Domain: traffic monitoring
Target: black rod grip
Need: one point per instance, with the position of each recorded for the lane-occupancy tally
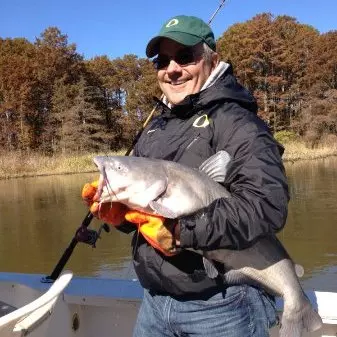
(67, 253)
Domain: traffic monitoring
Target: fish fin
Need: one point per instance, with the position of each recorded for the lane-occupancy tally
(216, 167)
(162, 210)
(299, 270)
(210, 269)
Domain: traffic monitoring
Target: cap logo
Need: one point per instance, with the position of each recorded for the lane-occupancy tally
(172, 22)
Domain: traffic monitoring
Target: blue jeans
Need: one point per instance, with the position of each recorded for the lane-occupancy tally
(240, 311)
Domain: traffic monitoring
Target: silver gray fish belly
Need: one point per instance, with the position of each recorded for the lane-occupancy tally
(173, 190)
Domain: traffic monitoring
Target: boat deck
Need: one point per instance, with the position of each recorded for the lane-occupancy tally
(108, 307)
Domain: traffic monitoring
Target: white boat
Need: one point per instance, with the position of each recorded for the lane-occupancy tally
(96, 307)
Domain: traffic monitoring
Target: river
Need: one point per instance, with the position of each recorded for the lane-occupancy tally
(40, 215)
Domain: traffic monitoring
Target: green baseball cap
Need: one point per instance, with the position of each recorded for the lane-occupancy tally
(187, 30)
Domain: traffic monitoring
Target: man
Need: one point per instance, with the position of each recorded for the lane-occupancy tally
(205, 111)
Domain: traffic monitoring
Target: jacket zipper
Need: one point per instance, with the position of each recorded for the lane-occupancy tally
(192, 142)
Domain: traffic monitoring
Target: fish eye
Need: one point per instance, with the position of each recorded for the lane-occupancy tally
(119, 167)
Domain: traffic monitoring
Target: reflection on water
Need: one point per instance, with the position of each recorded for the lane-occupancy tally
(39, 217)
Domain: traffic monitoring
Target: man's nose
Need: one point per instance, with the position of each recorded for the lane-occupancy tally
(173, 67)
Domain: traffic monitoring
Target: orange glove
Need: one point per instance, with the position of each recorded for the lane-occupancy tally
(157, 232)
(110, 212)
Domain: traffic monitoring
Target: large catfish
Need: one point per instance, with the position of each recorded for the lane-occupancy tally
(173, 190)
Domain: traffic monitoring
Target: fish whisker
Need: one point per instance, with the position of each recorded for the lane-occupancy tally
(109, 188)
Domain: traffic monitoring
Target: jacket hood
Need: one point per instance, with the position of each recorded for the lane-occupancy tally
(221, 86)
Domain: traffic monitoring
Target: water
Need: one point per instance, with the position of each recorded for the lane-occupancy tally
(310, 234)
(40, 215)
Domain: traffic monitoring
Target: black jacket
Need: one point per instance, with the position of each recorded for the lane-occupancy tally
(221, 117)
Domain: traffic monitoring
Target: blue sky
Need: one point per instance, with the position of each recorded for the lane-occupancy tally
(116, 27)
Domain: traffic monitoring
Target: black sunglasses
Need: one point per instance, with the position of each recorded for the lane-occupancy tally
(183, 57)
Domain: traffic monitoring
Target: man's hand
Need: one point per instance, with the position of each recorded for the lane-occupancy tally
(158, 232)
(110, 212)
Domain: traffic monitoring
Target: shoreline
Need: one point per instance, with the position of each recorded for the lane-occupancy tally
(12, 165)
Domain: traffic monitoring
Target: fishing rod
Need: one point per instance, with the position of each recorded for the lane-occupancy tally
(90, 236)
(216, 12)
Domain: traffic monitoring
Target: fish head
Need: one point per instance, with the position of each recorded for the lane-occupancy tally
(134, 181)
(116, 175)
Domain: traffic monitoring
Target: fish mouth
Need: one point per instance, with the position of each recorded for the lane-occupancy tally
(101, 185)
(104, 187)
(106, 193)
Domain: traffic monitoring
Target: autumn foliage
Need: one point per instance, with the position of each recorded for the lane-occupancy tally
(53, 101)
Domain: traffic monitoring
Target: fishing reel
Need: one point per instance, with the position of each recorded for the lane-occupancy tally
(90, 236)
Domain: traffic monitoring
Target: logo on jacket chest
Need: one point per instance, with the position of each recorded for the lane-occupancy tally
(201, 121)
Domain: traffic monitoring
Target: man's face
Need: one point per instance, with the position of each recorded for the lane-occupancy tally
(179, 80)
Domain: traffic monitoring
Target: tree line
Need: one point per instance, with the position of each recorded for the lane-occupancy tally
(54, 101)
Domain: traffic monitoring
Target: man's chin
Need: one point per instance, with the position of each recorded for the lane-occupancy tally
(176, 99)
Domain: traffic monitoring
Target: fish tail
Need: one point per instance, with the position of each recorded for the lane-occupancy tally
(290, 328)
(307, 319)
(312, 321)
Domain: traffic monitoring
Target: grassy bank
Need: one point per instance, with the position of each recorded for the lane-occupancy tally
(295, 151)
(20, 165)
(13, 165)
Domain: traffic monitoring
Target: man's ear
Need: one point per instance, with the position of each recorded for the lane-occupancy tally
(215, 60)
